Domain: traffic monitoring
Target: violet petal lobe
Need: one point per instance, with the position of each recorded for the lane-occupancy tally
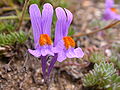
(61, 20)
(110, 15)
(74, 53)
(61, 56)
(45, 50)
(109, 3)
(35, 53)
(35, 17)
(117, 17)
(79, 53)
(47, 14)
(70, 53)
(107, 15)
(59, 46)
(68, 21)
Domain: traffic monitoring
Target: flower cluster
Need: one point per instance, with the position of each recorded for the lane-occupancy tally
(63, 46)
(110, 11)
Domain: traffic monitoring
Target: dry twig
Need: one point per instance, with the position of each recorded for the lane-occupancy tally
(103, 29)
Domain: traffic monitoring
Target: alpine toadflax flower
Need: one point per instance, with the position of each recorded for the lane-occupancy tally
(65, 45)
(41, 25)
(110, 11)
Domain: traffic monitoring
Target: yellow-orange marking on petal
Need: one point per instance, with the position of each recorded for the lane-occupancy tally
(68, 42)
(45, 39)
(114, 10)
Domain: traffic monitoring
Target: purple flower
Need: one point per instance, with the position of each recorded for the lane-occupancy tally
(110, 11)
(65, 45)
(41, 25)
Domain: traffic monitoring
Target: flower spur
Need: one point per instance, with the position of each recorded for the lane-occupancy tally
(110, 11)
(41, 25)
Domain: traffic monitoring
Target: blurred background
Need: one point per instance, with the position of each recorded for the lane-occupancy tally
(21, 71)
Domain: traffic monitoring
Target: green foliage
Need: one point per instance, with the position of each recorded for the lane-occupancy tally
(6, 26)
(12, 38)
(117, 1)
(115, 54)
(97, 57)
(103, 75)
(116, 47)
(114, 83)
(8, 35)
(115, 60)
(2, 26)
(71, 31)
(21, 1)
(57, 3)
(35, 2)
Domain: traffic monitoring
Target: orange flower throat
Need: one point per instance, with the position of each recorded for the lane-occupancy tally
(45, 39)
(68, 42)
(114, 10)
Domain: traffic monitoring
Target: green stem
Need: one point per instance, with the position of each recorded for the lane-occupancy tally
(12, 17)
(23, 13)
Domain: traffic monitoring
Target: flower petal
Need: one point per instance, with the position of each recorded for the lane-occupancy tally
(46, 50)
(35, 53)
(74, 53)
(60, 24)
(47, 14)
(61, 56)
(70, 53)
(60, 46)
(117, 17)
(109, 3)
(79, 53)
(35, 16)
(68, 22)
(110, 15)
(107, 15)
